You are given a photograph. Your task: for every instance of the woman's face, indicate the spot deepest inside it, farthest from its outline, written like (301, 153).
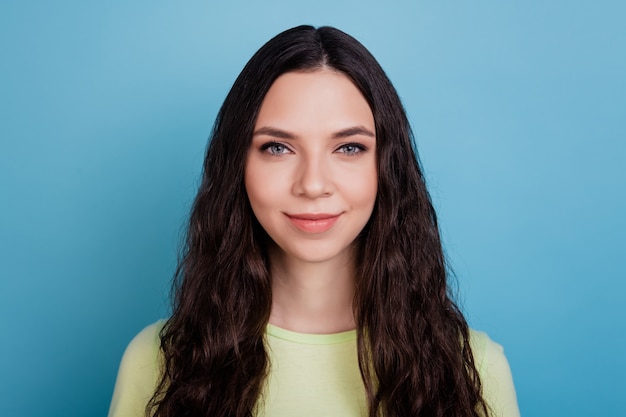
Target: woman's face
(311, 169)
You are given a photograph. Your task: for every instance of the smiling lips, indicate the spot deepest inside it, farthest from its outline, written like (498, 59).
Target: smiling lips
(313, 223)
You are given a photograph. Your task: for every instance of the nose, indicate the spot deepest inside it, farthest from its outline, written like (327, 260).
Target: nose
(313, 178)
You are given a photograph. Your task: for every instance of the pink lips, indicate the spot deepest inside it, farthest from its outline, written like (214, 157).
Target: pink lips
(313, 223)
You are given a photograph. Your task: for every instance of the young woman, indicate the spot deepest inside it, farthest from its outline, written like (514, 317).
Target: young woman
(313, 281)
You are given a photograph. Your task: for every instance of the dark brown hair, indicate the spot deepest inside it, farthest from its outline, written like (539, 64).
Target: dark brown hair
(413, 342)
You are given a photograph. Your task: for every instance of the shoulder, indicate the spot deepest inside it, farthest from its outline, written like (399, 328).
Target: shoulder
(495, 375)
(138, 374)
(145, 344)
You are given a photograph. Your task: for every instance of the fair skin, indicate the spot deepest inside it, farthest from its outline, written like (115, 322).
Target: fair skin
(311, 180)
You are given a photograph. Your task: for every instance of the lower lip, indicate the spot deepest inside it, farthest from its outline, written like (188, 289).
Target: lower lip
(314, 226)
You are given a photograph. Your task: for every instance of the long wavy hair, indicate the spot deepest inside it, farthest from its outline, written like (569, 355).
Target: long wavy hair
(413, 342)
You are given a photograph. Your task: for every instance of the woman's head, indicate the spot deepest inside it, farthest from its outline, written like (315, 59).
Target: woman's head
(307, 49)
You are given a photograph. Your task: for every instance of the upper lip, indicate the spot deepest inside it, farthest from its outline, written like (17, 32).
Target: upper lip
(312, 216)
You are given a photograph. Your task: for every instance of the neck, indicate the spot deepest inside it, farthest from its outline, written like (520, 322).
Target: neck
(312, 297)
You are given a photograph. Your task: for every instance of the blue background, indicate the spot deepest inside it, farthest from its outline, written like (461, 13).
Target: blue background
(518, 109)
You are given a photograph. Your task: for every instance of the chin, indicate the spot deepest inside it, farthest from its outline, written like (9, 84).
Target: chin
(320, 254)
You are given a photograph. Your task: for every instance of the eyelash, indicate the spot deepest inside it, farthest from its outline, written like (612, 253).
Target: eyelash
(267, 146)
(358, 148)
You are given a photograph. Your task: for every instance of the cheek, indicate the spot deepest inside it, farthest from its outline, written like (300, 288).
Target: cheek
(371, 185)
(367, 197)
(263, 186)
(363, 188)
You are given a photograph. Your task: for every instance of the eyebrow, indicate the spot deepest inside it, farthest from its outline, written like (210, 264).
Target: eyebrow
(274, 132)
(344, 133)
(353, 131)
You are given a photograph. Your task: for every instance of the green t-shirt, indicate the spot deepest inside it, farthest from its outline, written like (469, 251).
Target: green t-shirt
(310, 375)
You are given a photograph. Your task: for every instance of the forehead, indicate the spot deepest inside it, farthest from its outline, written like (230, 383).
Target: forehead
(314, 98)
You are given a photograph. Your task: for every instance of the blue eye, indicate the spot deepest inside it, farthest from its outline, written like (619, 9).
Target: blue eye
(351, 149)
(275, 148)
